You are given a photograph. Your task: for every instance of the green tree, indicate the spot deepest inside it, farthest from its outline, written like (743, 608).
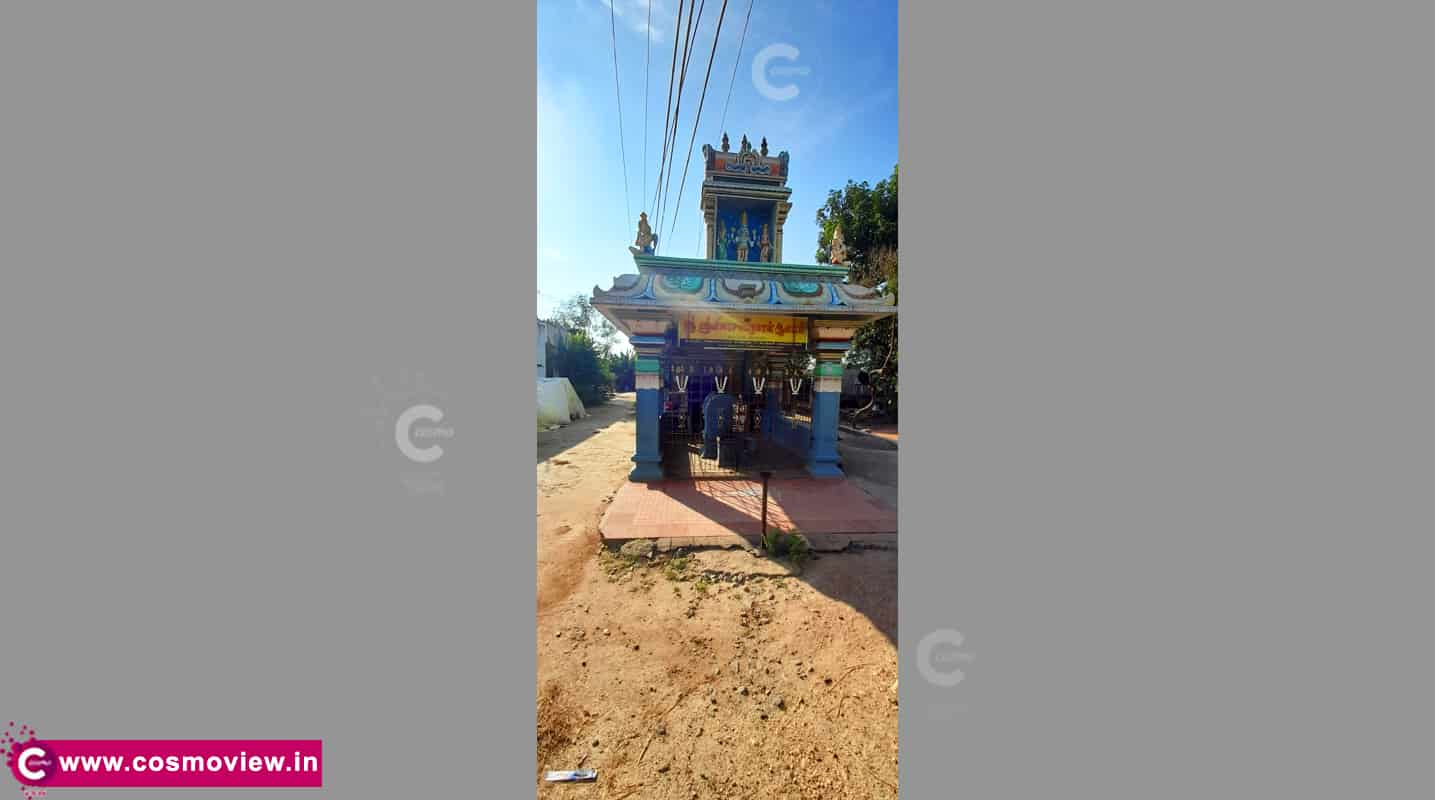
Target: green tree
(621, 365)
(578, 314)
(579, 360)
(868, 217)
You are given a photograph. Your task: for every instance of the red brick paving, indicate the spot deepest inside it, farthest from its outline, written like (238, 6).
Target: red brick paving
(717, 509)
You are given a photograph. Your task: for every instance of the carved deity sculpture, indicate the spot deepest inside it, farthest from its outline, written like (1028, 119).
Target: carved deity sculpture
(644, 243)
(764, 147)
(837, 251)
(766, 246)
(724, 141)
(645, 231)
(720, 242)
(746, 145)
(743, 236)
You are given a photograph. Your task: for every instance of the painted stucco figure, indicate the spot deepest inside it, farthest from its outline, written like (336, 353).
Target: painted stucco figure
(837, 251)
(743, 237)
(645, 242)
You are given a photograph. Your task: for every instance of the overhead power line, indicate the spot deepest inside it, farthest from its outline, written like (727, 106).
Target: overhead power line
(667, 114)
(647, 57)
(622, 147)
(698, 119)
(664, 179)
(693, 23)
(735, 64)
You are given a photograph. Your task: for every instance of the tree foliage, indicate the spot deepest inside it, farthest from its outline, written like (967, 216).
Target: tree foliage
(621, 365)
(579, 360)
(588, 359)
(868, 217)
(578, 314)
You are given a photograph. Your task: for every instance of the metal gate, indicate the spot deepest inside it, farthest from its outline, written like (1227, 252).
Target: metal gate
(742, 450)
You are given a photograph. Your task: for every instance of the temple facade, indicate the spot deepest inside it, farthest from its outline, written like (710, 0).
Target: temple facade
(739, 355)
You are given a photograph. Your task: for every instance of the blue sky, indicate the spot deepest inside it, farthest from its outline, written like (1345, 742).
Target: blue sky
(840, 123)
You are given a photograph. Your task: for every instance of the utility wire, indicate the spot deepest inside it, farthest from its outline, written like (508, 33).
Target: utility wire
(735, 64)
(622, 147)
(693, 24)
(687, 62)
(648, 57)
(698, 119)
(667, 115)
(672, 132)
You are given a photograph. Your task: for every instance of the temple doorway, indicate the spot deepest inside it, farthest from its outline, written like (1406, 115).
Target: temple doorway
(723, 418)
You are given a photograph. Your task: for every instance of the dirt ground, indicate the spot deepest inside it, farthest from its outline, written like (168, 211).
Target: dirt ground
(714, 674)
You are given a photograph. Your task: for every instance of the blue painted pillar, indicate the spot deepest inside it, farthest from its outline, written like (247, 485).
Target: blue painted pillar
(647, 454)
(826, 392)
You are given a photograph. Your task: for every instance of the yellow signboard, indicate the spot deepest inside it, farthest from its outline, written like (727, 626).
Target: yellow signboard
(720, 326)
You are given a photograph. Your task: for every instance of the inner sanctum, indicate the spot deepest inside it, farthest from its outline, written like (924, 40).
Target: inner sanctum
(739, 356)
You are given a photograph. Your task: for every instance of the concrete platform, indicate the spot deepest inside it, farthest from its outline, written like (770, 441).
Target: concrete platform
(701, 513)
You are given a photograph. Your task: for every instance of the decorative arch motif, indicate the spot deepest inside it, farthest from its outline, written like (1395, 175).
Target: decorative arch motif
(802, 288)
(686, 284)
(742, 289)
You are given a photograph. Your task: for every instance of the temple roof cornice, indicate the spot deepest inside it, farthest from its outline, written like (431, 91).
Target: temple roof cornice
(737, 269)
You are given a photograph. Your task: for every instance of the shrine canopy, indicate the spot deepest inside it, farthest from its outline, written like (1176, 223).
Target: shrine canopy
(741, 293)
(718, 300)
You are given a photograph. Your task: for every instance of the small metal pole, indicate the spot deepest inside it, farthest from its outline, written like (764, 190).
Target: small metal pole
(765, 475)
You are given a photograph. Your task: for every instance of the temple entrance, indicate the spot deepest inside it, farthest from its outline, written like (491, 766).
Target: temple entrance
(723, 419)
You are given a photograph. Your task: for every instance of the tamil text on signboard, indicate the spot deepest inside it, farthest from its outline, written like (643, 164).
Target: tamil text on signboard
(717, 326)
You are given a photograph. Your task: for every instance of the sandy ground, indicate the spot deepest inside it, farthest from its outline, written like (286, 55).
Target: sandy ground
(721, 674)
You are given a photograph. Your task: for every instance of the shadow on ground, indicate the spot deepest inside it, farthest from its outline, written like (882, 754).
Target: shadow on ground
(866, 580)
(871, 463)
(618, 408)
(862, 578)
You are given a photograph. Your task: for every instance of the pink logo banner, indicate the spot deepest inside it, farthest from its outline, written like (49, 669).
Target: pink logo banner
(167, 763)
